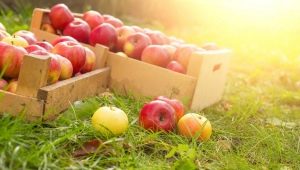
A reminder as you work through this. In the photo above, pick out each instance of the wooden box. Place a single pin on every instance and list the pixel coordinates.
(202, 86)
(38, 100)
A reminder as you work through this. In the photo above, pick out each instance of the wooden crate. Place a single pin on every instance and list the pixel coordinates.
(37, 100)
(202, 86)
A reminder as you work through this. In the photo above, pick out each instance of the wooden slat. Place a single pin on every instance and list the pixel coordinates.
(16, 104)
(59, 95)
(33, 75)
(101, 54)
(130, 76)
(211, 77)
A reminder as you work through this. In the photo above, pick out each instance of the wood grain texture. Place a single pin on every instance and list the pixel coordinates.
(211, 77)
(33, 75)
(133, 77)
(17, 104)
(61, 95)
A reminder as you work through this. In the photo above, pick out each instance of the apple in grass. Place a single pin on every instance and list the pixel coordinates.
(157, 55)
(12, 86)
(46, 45)
(48, 28)
(63, 39)
(104, 34)
(34, 47)
(158, 115)
(123, 32)
(11, 58)
(135, 45)
(27, 35)
(93, 18)
(54, 68)
(78, 29)
(15, 40)
(90, 61)
(195, 126)
(176, 66)
(176, 104)
(110, 121)
(3, 84)
(3, 34)
(60, 16)
(74, 52)
(66, 68)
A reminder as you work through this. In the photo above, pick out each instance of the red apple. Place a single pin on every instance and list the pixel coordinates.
(27, 35)
(60, 16)
(34, 47)
(193, 125)
(11, 58)
(3, 84)
(107, 17)
(3, 34)
(2, 27)
(177, 67)
(48, 28)
(123, 32)
(78, 29)
(157, 115)
(171, 50)
(54, 68)
(176, 104)
(72, 51)
(210, 46)
(12, 86)
(183, 53)
(114, 22)
(47, 46)
(90, 61)
(104, 34)
(157, 38)
(93, 18)
(137, 29)
(156, 54)
(135, 44)
(66, 68)
(62, 39)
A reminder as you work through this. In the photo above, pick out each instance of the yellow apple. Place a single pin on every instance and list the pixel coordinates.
(15, 40)
(110, 121)
(194, 125)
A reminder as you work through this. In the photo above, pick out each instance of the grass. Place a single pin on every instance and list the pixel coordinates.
(243, 137)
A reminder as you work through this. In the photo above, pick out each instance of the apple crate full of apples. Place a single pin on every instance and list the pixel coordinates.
(144, 62)
(127, 59)
(40, 78)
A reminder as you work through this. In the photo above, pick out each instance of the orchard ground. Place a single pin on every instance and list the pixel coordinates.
(255, 126)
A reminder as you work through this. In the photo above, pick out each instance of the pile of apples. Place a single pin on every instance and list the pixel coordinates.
(68, 57)
(164, 114)
(161, 114)
(147, 45)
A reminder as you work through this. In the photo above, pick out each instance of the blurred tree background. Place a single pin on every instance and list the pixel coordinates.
(268, 30)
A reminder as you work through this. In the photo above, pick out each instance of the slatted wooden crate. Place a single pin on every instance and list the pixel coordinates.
(202, 86)
(36, 99)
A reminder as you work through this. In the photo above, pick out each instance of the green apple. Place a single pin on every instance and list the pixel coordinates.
(15, 40)
(110, 121)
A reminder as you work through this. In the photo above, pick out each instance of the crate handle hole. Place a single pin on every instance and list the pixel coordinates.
(217, 67)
